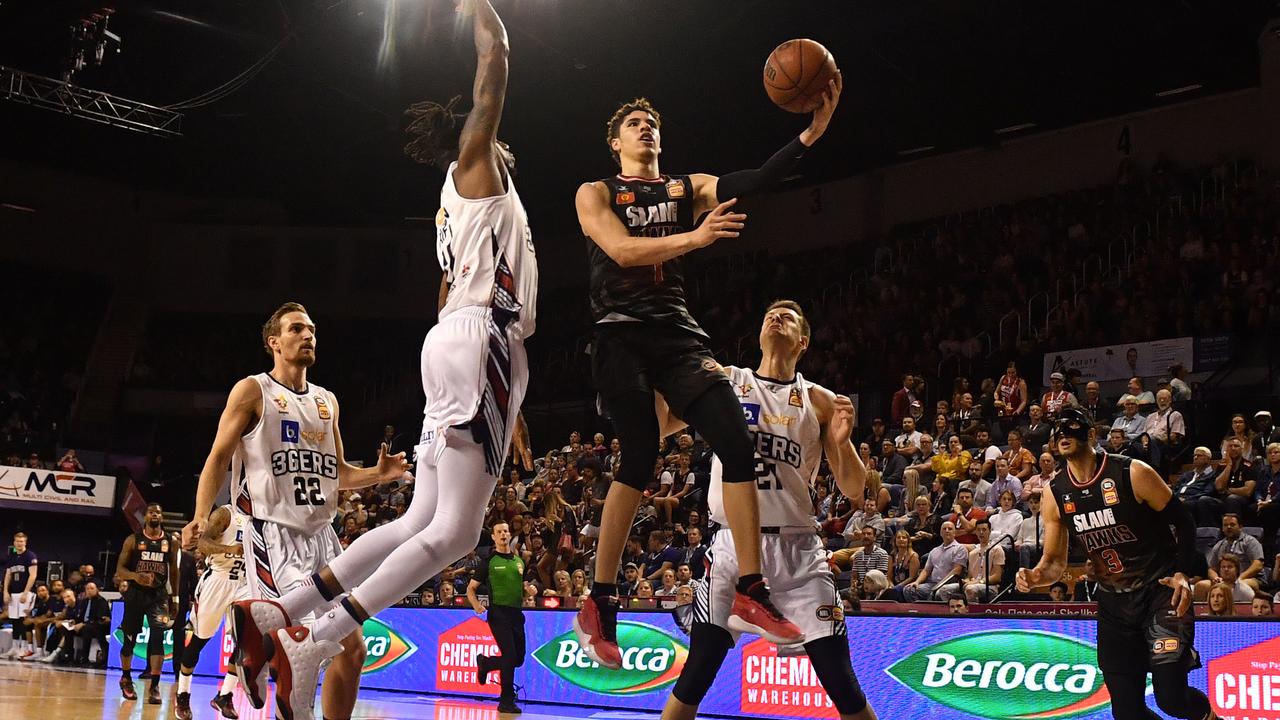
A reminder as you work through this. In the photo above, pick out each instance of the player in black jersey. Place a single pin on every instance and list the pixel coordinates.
(639, 224)
(1141, 545)
(148, 560)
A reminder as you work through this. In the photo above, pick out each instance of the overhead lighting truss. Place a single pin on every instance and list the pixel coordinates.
(99, 107)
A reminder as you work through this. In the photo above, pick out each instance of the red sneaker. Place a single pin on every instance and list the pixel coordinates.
(251, 620)
(761, 617)
(596, 626)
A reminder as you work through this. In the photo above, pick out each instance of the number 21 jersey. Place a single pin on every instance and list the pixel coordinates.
(285, 470)
(788, 442)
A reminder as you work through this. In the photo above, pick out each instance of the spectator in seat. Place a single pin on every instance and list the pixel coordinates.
(40, 618)
(958, 604)
(1035, 434)
(919, 475)
(987, 451)
(70, 463)
(1039, 481)
(964, 516)
(34, 462)
(875, 493)
(1178, 383)
(907, 443)
(1220, 601)
(60, 646)
(91, 621)
(684, 575)
(945, 562)
(1267, 496)
(900, 406)
(1011, 397)
(661, 556)
(1030, 540)
(1267, 434)
(1006, 521)
(630, 579)
(669, 585)
(1022, 462)
(1056, 397)
(867, 556)
(983, 580)
(447, 594)
(878, 435)
(669, 497)
(644, 589)
(1058, 592)
(1240, 431)
(866, 517)
(1093, 403)
(1195, 488)
(1138, 392)
(1005, 482)
(1130, 422)
(1262, 606)
(892, 464)
(1237, 479)
(975, 483)
(1243, 547)
(921, 527)
(951, 467)
(1166, 428)
(967, 419)
(905, 561)
(943, 430)
(614, 459)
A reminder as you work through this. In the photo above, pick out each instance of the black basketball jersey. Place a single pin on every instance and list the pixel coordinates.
(653, 293)
(153, 556)
(1127, 542)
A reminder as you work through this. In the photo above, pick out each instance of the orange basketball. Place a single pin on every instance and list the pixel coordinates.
(796, 74)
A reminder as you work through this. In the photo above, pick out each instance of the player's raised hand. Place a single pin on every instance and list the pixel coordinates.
(720, 223)
(1181, 593)
(1028, 578)
(842, 419)
(391, 467)
(822, 116)
(521, 448)
(192, 531)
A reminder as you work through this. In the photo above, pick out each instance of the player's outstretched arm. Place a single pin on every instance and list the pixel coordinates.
(218, 524)
(350, 477)
(709, 189)
(244, 405)
(606, 230)
(1054, 560)
(478, 174)
(835, 416)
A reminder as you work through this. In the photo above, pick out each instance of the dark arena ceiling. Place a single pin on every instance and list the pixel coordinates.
(317, 129)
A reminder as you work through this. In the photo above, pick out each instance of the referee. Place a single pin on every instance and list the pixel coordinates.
(503, 572)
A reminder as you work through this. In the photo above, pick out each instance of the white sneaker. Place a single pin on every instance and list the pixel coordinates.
(296, 658)
(10, 654)
(34, 655)
(49, 657)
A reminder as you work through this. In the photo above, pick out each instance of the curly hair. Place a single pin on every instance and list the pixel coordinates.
(615, 122)
(434, 130)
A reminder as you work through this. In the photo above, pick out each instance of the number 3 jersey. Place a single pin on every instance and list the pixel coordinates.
(788, 449)
(1128, 544)
(285, 469)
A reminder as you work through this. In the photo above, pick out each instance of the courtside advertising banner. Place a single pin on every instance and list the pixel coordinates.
(55, 490)
(941, 667)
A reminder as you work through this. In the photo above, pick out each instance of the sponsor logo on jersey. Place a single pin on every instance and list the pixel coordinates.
(1068, 505)
(290, 431)
(795, 400)
(751, 411)
(322, 406)
(383, 646)
(1109, 494)
(1008, 675)
(745, 389)
(281, 402)
(651, 660)
(770, 419)
(712, 366)
(643, 216)
(624, 198)
(314, 436)
(1166, 646)
(675, 189)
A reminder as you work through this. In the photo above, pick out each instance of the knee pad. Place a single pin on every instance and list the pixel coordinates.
(708, 646)
(191, 654)
(830, 659)
(717, 415)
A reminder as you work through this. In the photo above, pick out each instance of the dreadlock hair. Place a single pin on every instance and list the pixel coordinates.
(615, 122)
(434, 130)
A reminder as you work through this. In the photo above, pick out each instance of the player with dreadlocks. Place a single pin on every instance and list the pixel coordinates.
(474, 375)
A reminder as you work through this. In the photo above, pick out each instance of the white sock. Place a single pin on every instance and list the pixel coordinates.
(184, 682)
(450, 534)
(228, 684)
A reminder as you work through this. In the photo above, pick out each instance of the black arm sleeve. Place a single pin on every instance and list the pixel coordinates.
(745, 182)
(1190, 562)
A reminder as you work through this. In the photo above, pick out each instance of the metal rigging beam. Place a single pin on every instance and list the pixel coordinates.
(100, 107)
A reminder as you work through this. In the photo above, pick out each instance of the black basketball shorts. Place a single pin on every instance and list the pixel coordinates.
(1140, 630)
(634, 356)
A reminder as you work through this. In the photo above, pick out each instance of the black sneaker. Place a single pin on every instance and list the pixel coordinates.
(153, 695)
(483, 668)
(508, 705)
(223, 704)
(127, 690)
(182, 706)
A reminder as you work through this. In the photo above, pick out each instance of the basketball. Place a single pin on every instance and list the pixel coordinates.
(796, 74)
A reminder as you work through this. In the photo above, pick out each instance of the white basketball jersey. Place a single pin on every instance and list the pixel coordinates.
(486, 251)
(788, 449)
(286, 469)
(229, 566)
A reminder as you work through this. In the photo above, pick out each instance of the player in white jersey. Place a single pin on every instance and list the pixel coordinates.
(224, 581)
(474, 375)
(794, 422)
(279, 435)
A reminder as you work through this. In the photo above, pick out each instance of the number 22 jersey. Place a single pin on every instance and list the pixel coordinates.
(285, 469)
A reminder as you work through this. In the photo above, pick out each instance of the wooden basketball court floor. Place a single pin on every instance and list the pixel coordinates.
(41, 692)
